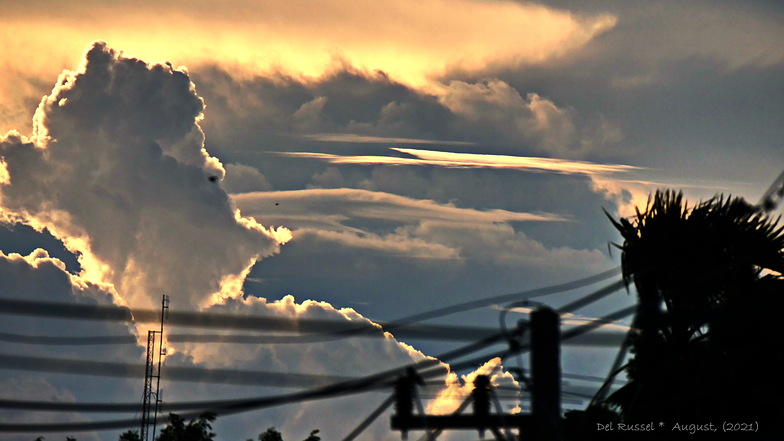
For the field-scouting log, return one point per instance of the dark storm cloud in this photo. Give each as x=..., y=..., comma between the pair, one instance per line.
x=282, y=108
x=489, y=114
x=690, y=88
x=246, y=119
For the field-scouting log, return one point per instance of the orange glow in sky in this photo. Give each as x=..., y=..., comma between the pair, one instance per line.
x=414, y=42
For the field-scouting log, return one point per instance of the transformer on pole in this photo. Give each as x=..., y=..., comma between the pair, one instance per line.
x=542, y=424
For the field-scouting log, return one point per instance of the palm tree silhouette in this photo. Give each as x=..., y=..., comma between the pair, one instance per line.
x=707, y=345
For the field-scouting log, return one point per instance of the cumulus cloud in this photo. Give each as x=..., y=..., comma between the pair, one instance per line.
x=351, y=357
x=242, y=178
x=501, y=244
x=449, y=399
x=37, y=276
x=117, y=170
x=30, y=388
x=498, y=112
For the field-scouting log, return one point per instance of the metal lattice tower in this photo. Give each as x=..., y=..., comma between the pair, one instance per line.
x=151, y=373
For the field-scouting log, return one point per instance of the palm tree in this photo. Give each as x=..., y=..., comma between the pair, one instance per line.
x=710, y=288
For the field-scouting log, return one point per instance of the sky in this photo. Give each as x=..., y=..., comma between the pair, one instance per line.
x=353, y=161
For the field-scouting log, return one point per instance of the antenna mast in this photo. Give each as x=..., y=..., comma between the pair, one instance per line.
x=150, y=374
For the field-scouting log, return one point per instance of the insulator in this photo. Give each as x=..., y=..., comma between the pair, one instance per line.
x=404, y=396
x=481, y=395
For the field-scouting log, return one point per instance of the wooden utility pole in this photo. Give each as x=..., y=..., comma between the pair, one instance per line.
x=546, y=374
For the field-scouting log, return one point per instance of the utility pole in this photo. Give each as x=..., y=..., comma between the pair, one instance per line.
x=150, y=374
x=543, y=424
x=546, y=374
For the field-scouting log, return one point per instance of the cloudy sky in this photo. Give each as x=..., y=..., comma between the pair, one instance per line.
x=353, y=161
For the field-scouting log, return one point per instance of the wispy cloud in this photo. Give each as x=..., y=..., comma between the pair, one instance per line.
x=392, y=224
x=329, y=208
x=354, y=138
x=473, y=160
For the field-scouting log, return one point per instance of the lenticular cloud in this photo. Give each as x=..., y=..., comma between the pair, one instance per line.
x=116, y=168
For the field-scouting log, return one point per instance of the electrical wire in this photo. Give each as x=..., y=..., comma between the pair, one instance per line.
x=173, y=373
x=416, y=332
x=58, y=340
x=364, y=384
x=222, y=376
x=249, y=322
x=505, y=298
x=591, y=298
x=370, y=418
x=437, y=333
x=105, y=407
x=121, y=314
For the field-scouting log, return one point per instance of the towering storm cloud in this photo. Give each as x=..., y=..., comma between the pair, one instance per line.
x=117, y=170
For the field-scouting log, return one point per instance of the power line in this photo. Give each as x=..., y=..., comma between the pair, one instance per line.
x=404, y=328
x=419, y=332
x=370, y=418
x=569, y=307
x=375, y=381
x=343, y=388
x=434, y=333
x=505, y=298
x=364, y=384
x=591, y=298
x=252, y=377
x=173, y=373
x=250, y=322
x=57, y=340
x=106, y=407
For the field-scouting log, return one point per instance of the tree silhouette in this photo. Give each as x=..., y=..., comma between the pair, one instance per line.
x=709, y=283
x=130, y=435
x=313, y=436
x=198, y=429
x=271, y=434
